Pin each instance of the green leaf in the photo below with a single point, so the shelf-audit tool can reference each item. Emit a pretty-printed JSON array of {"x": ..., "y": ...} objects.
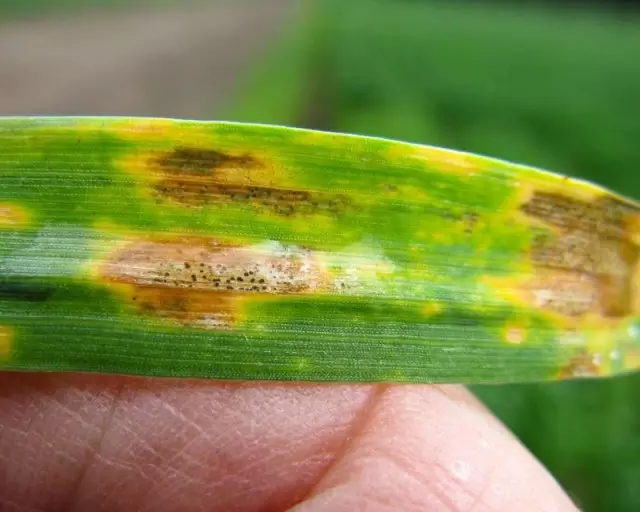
[{"x": 242, "y": 251}]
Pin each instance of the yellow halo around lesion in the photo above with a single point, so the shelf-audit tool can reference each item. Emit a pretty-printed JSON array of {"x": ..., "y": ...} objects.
[
  {"x": 6, "y": 341},
  {"x": 14, "y": 216}
]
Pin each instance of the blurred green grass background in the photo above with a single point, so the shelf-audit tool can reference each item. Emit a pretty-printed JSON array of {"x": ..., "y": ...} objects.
[{"x": 553, "y": 88}]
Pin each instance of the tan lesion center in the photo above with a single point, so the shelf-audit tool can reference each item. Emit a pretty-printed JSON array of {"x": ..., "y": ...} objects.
[
  {"x": 587, "y": 259},
  {"x": 202, "y": 281}
]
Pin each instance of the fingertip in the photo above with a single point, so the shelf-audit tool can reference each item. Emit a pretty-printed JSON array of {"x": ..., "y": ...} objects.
[{"x": 436, "y": 448}]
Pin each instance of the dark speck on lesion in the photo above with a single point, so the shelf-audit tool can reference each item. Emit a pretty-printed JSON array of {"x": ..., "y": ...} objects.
[{"x": 204, "y": 178}]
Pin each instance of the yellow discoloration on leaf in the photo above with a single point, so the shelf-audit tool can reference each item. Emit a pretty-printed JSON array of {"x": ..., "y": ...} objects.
[
  {"x": 537, "y": 180},
  {"x": 409, "y": 193},
  {"x": 567, "y": 299},
  {"x": 6, "y": 341},
  {"x": 512, "y": 289},
  {"x": 441, "y": 159},
  {"x": 633, "y": 228},
  {"x": 168, "y": 155},
  {"x": 515, "y": 334},
  {"x": 301, "y": 363},
  {"x": 635, "y": 289},
  {"x": 13, "y": 216},
  {"x": 160, "y": 131},
  {"x": 632, "y": 359},
  {"x": 201, "y": 153},
  {"x": 443, "y": 237},
  {"x": 432, "y": 308}
]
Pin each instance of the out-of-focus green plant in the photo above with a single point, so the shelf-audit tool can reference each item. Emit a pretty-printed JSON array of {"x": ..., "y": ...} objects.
[{"x": 553, "y": 88}]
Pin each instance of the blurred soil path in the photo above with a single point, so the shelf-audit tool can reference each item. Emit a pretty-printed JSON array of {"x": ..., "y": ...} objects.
[{"x": 180, "y": 61}]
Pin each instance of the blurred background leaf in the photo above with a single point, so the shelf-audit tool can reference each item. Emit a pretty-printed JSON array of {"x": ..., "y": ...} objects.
[{"x": 554, "y": 84}]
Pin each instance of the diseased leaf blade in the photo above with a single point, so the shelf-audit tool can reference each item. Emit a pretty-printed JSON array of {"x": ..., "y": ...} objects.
[{"x": 238, "y": 251}]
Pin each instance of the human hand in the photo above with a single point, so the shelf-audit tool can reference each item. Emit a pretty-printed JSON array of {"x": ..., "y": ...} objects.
[{"x": 93, "y": 443}]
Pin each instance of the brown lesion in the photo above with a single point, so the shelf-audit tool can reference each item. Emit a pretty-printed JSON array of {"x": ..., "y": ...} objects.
[
  {"x": 192, "y": 307},
  {"x": 203, "y": 281},
  {"x": 470, "y": 221},
  {"x": 200, "y": 177},
  {"x": 200, "y": 161},
  {"x": 586, "y": 260},
  {"x": 606, "y": 216},
  {"x": 582, "y": 364}
]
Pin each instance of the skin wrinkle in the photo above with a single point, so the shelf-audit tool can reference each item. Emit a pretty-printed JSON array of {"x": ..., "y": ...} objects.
[
  {"x": 402, "y": 465},
  {"x": 337, "y": 499},
  {"x": 271, "y": 457},
  {"x": 388, "y": 456},
  {"x": 260, "y": 447},
  {"x": 35, "y": 426},
  {"x": 31, "y": 421},
  {"x": 95, "y": 449},
  {"x": 125, "y": 397},
  {"x": 211, "y": 486},
  {"x": 138, "y": 470},
  {"x": 359, "y": 423},
  {"x": 391, "y": 465},
  {"x": 165, "y": 494},
  {"x": 8, "y": 505},
  {"x": 124, "y": 465},
  {"x": 185, "y": 481},
  {"x": 47, "y": 443},
  {"x": 478, "y": 504},
  {"x": 328, "y": 459},
  {"x": 189, "y": 422},
  {"x": 448, "y": 482},
  {"x": 402, "y": 432},
  {"x": 446, "y": 489}
]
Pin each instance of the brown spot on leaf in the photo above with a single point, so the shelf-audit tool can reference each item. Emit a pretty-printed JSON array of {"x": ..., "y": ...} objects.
[
  {"x": 199, "y": 177},
  {"x": 186, "y": 306},
  {"x": 470, "y": 220},
  {"x": 202, "y": 281},
  {"x": 581, "y": 364},
  {"x": 586, "y": 262},
  {"x": 606, "y": 216},
  {"x": 198, "y": 161}
]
